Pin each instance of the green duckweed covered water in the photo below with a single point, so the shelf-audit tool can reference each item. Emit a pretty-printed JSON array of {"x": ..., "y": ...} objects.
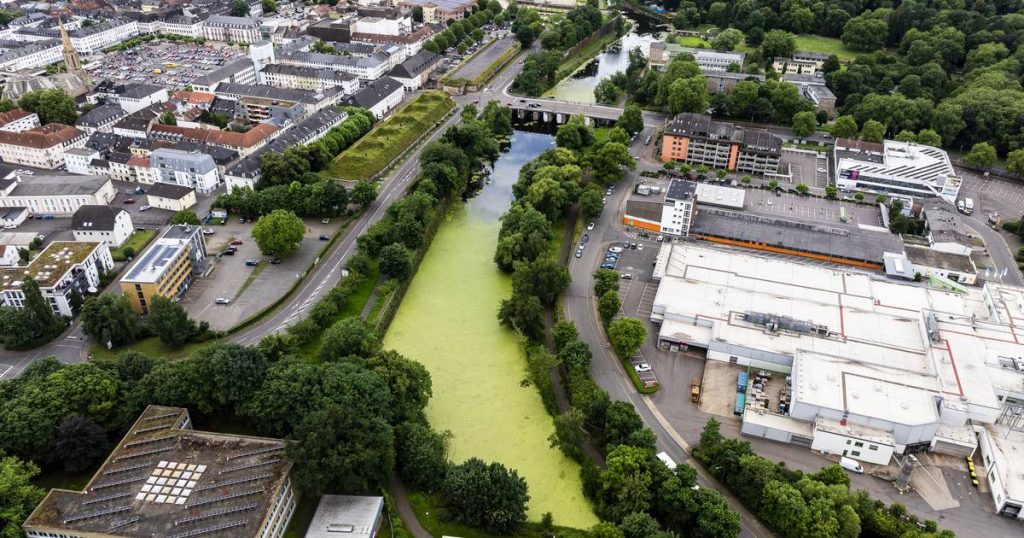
[{"x": 448, "y": 322}]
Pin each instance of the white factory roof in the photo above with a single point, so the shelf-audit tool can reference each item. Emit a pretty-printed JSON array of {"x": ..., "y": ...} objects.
[
  {"x": 904, "y": 159},
  {"x": 718, "y": 195},
  {"x": 864, "y": 342},
  {"x": 1007, "y": 450}
]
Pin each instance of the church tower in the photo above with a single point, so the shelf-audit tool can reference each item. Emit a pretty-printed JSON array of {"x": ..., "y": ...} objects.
[{"x": 71, "y": 60}]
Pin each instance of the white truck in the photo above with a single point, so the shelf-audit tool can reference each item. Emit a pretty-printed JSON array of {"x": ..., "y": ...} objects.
[{"x": 968, "y": 206}]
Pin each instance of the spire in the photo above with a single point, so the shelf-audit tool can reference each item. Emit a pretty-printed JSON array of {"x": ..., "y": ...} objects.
[{"x": 71, "y": 60}]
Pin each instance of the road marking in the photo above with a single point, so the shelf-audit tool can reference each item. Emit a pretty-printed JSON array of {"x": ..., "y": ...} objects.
[{"x": 6, "y": 368}]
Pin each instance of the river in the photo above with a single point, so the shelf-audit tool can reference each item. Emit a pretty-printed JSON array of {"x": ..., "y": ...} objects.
[
  {"x": 579, "y": 87},
  {"x": 448, "y": 322}
]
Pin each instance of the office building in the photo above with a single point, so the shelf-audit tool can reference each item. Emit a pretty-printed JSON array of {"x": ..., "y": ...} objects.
[
  {"x": 165, "y": 479},
  {"x": 709, "y": 60},
  {"x": 61, "y": 269},
  {"x": 31, "y": 55},
  {"x": 40, "y": 147},
  {"x": 237, "y": 72},
  {"x": 903, "y": 168},
  {"x": 365, "y": 67},
  {"x": 864, "y": 367},
  {"x": 802, "y": 63},
  {"x": 101, "y": 118},
  {"x": 441, "y": 11},
  {"x": 111, "y": 226},
  {"x": 167, "y": 268},
  {"x": 226, "y": 28},
  {"x": 356, "y": 516},
  {"x": 308, "y": 78},
  {"x": 282, "y": 105},
  {"x": 55, "y": 195},
  {"x": 136, "y": 96},
  {"x": 186, "y": 168},
  {"x": 93, "y": 39},
  {"x": 697, "y": 139}
]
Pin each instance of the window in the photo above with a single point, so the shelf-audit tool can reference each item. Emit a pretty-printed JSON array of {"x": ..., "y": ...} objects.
[
  {"x": 858, "y": 444},
  {"x": 854, "y": 453},
  {"x": 872, "y": 447}
]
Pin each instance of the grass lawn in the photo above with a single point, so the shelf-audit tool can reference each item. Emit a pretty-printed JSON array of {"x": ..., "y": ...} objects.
[
  {"x": 429, "y": 509},
  {"x": 830, "y": 45},
  {"x": 692, "y": 41},
  {"x": 136, "y": 241},
  {"x": 373, "y": 152},
  {"x": 151, "y": 347}
]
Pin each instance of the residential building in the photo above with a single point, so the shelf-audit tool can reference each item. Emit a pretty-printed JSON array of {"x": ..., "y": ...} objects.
[
  {"x": 365, "y": 67},
  {"x": 183, "y": 25},
  {"x": 184, "y": 482},
  {"x": 238, "y": 29},
  {"x": 135, "y": 96},
  {"x": 236, "y": 72},
  {"x": 905, "y": 168},
  {"x": 31, "y": 55},
  {"x": 725, "y": 82},
  {"x": 93, "y": 39},
  {"x": 12, "y": 217},
  {"x": 141, "y": 170},
  {"x": 802, "y": 63},
  {"x": 171, "y": 197},
  {"x": 111, "y": 226},
  {"x": 246, "y": 173},
  {"x": 708, "y": 60},
  {"x": 813, "y": 88},
  {"x": 863, "y": 367},
  {"x": 244, "y": 143},
  {"x": 308, "y": 78},
  {"x": 101, "y": 118},
  {"x": 359, "y": 516},
  {"x": 9, "y": 256},
  {"x": 55, "y": 195},
  {"x": 697, "y": 139},
  {"x": 441, "y": 11},
  {"x": 186, "y": 168},
  {"x": 281, "y": 105},
  {"x": 80, "y": 160},
  {"x": 18, "y": 120},
  {"x": 379, "y": 97},
  {"x": 41, "y": 147},
  {"x": 414, "y": 72},
  {"x": 167, "y": 268},
  {"x": 62, "y": 268}
]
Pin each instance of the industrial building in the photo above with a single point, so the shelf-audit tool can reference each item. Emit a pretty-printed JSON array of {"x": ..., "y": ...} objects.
[
  {"x": 696, "y": 139},
  {"x": 167, "y": 268},
  {"x": 863, "y": 367},
  {"x": 905, "y": 168},
  {"x": 166, "y": 479},
  {"x": 355, "y": 516}
]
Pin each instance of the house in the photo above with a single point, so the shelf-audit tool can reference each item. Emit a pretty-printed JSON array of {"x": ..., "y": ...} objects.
[
  {"x": 102, "y": 118},
  {"x": 379, "y": 97},
  {"x": 61, "y": 270},
  {"x": 135, "y": 97},
  {"x": 55, "y": 195},
  {"x": 170, "y": 196},
  {"x": 111, "y": 226},
  {"x": 41, "y": 147},
  {"x": 18, "y": 120},
  {"x": 12, "y": 217},
  {"x": 414, "y": 72}
]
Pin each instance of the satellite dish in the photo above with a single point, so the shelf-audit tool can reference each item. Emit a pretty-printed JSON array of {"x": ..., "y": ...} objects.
[{"x": 92, "y": 289}]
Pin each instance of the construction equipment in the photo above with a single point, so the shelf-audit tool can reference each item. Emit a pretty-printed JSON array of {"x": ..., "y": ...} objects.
[{"x": 695, "y": 390}]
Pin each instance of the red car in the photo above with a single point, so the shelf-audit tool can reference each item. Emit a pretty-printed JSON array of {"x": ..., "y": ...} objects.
[
  {"x": 129, "y": 200},
  {"x": 236, "y": 242}
]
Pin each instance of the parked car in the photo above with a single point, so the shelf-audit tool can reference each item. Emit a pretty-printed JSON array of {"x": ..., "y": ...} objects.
[
  {"x": 274, "y": 261},
  {"x": 228, "y": 252},
  {"x": 144, "y": 208},
  {"x": 579, "y": 253},
  {"x": 252, "y": 263},
  {"x": 648, "y": 141},
  {"x": 642, "y": 367},
  {"x": 627, "y": 276},
  {"x": 661, "y": 238},
  {"x": 632, "y": 246},
  {"x": 325, "y": 221},
  {"x": 640, "y": 247},
  {"x": 822, "y": 170},
  {"x": 590, "y": 226},
  {"x": 586, "y": 237},
  {"x": 222, "y": 300},
  {"x": 209, "y": 231},
  {"x": 607, "y": 266},
  {"x": 611, "y": 258},
  {"x": 325, "y": 238},
  {"x": 615, "y": 250},
  {"x": 129, "y": 200},
  {"x": 236, "y": 241}
]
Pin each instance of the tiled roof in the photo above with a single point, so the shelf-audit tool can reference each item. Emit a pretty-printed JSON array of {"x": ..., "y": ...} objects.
[
  {"x": 247, "y": 139},
  {"x": 46, "y": 136}
]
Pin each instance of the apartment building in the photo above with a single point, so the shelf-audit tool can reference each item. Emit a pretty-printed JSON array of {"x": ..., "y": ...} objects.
[
  {"x": 167, "y": 268},
  {"x": 696, "y": 139},
  {"x": 61, "y": 269},
  {"x": 189, "y": 483},
  {"x": 186, "y": 168},
  {"x": 18, "y": 120},
  {"x": 243, "y": 143},
  {"x": 101, "y": 118},
  {"x": 365, "y": 67},
  {"x": 308, "y": 78},
  {"x": 281, "y": 105},
  {"x": 41, "y": 147},
  {"x": 379, "y": 97},
  {"x": 226, "y": 28},
  {"x": 32, "y": 55},
  {"x": 111, "y": 226},
  {"x": 237, "y": 72},
  {"x": 170, "y": 196},
  {"x": 136, "y": 96},
  {"x": 55, "y": 195}
]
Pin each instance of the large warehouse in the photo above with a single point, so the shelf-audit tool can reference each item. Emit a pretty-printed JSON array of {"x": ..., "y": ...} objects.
[{"x": 866, "y": 367}]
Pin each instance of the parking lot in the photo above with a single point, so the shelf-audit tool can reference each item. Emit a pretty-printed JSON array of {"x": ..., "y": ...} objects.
[
  {"x": 810, "y": 208},
  {"x": 804, "y": 166},
  {"x": 173, "y": 65},
  {"x": 484, "y": 58},
  {"x": 993, "y": 194}
]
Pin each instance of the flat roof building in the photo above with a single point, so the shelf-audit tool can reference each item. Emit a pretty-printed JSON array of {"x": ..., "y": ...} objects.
[
  {"x": 166, "y": 479},
  {"x": 698, "y": 139},
  {"x": 709, "y": 60},
  {"x": 167, "y": 268},
  {"x": 60, "y": 269},
  {"x": 896, "y": 167},
  {"x": 353, "y": 516}
]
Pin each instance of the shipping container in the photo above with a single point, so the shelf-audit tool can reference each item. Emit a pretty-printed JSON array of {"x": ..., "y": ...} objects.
[
  {"x": 741, "y": 382},
  {"x": 741, "y": 400}
]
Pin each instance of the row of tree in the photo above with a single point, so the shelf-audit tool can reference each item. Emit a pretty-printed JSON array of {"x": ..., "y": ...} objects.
[
  {"x": 110, "y": 319},
  {"x": 300, "y": 163},
  {"x": 464, "y": 33}
]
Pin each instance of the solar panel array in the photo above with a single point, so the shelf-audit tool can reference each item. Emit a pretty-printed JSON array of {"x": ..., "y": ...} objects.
[
  {"x": 207, "y": 530},
  {"x": 216, "y": 513}
]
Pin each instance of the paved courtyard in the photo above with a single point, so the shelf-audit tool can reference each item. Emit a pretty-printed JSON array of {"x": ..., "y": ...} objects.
[
  {"x": 804, "y": 167},
  {"x": 810, "y": 208}
]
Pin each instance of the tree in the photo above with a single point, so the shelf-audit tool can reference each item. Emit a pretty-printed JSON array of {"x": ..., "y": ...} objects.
[
  {"x": 872, "y": 131},
  {"x": 608, "y": 305},
  {"x": 605, "y": 280},
  {"x": 36, "y": 318},
  {"x": 167, "y": 118},
  {"x": 621, "y": 423},
  {"x": 278, "y": 232},
  {"x": 844, "y": 127},
  {"x": 396, "y": 261},
  {"x": 269, "y": 6},
  {"x": 804, "y": 124},
  {"x": 831, "y": 192},
  {"x": 631, "y": 120},
  {"x": 169, "y": 322},
  {"x": 591, "y": 203},
  {"x": 346, "y": 338},
  {"x": 186, "y": 216},
  {"x": 727, "y": 39},
  {"x": 929, "y": 137},
  {"x": 240, "y": 8},
  {"x": 982, "y": 155},
  {"x": 688, "y": 95},
  {"x": 525, "y": 314},
  {"x": 544, "y": 278},
  {"x": 408, "y": 381},
  {"x": 18, "y": 495},
  {"x": 487, "y": 496},
  {"x": 626, "y": 335},
  {"x": 626, "y": 483},
  {"x": 421, "y": 455},
  {"x": 867, "y": 31},
  {"x": 52, "y": 106},
  {"x": 364, "y": 193},
  {"x": 339, "y": 448},
  {"x": 1015, "y": 161},
  {"x": 784, "y": 508},
  {"x": 606, "y": 92},
  {"x": 570, "y": 433},
  {"x": 417, "y": 14},
  {"x": 802, "y": 188},
  {"x": 609, "y": 161},
  {"x": 778, "y": 44},
  {"x": 109, "y": 318},
  {"x": 79, "y": 442}
]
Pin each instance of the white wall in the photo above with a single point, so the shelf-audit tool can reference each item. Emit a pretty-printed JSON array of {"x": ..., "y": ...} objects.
[{"x": 833, "y": 443}]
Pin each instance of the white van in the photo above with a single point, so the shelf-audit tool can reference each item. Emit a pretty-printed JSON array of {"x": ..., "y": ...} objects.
[
  {"x": 851, "y": 465},
  {"x": 968, "y": 206},
  {"x": 667, "y": 460}
]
